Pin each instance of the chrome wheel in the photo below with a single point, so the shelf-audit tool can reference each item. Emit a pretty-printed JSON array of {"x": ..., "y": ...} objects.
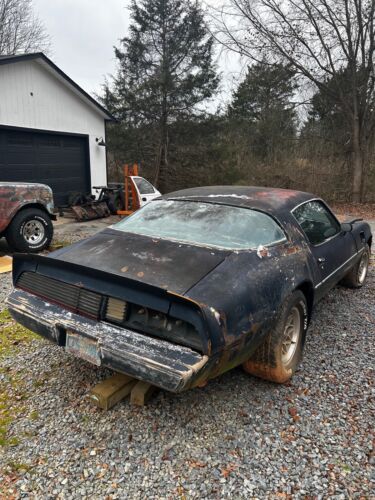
[
  {"x": 363, "y": 267},
  {"x": 292, "y": 332},
  {"x": 33, "y": 232}
]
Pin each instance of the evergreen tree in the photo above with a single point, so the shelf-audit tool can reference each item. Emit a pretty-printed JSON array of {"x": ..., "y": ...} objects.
[
  {"x": 327, "y": 118},
  {"x": 165, "y": 70},
  {"x": 262, "y": 102}
]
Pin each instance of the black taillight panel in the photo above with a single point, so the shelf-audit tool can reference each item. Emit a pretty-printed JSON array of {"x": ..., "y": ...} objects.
[
  {"x": 161, "y": 325},
  {"x": 72, "y": 297},
  {"x": 116, "y": 310},
  {"x": 183, "y": 330}
]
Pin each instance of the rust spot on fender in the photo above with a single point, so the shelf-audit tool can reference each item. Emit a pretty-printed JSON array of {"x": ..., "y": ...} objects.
[{"x": 291, "y": 250}]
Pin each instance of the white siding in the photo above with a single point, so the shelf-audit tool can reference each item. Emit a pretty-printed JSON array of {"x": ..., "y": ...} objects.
[{"x": 33, "y": 97}]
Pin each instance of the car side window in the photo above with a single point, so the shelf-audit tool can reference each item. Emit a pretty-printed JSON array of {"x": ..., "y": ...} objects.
[
  {"x": 316, "y": 221},
  {"x": 144, "y": 186}
]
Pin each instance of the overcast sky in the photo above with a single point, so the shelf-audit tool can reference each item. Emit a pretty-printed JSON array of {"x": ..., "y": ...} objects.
[{"x": 83, "y": 33}]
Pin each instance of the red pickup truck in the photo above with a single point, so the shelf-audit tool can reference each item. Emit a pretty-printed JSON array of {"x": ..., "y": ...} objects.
[{"x": 26, "y": 214}]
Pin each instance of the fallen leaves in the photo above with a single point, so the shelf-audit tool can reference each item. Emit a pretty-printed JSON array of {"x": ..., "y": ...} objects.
[
  {"x": 294, "y": 414},
  {"x": 292, "y": 411},
  {"x": 196, "y": 464},
  {"x": 345, "y": 210},
  {"x": 228, "y": 470}
]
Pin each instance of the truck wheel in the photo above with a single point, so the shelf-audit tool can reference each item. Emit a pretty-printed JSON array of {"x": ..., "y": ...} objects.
[
  {"x": 278, "y": 357},
  {"x": 356, "y": 277},
  {"x": 31, "y": 230}
]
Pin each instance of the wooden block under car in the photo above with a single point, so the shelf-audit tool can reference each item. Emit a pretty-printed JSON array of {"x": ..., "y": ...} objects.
[
  {"x": 6, "y": 263},
  {"x": 141, "y": 393},
  {"x": 109, "y": 392}
]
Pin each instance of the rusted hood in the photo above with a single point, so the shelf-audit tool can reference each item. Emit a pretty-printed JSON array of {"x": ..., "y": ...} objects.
[{"x": 169, "y": 265}]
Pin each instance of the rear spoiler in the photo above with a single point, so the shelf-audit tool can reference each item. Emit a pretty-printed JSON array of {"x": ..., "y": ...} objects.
[{"x": 92, "y": 279}]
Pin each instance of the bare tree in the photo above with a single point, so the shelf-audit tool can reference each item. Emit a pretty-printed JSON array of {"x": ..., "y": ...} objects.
[
  {"x": 20, "y": 30},
  {"x": 321, "y": 40}
]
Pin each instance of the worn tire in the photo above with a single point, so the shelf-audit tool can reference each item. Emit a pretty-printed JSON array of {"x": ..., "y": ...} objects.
[
  {"x": 354, "y": 278},
  {"x": 24, "y": 222},
  {"x": 270, "y": 361}
]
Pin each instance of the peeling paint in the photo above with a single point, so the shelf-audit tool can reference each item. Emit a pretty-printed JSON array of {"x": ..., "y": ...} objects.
[
  {"x": 230, "y": 298},
  {"x": 262, "y": 252},
  {"x": 162, "y": 363},
  {"x": 148, "y": 256},
  {"x": 232, "y": 195}
]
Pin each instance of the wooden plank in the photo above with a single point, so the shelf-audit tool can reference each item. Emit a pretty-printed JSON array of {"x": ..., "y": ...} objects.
[
  {"x": 141, "y": 393},
  {"x": 109, "y": 392},
  {"x": 6, "y": 263},
  {"x": 124, "y": 212}
]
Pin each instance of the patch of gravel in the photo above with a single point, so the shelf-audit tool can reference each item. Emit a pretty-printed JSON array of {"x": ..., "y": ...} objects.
[
  {"x": 238, "y": 437},
  {"x": 5, "y": 288},
  {"x": 72, "y": 231}
]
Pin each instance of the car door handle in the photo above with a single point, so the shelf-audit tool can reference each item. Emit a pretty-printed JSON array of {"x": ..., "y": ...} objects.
[{"x": 321, "y": 260}]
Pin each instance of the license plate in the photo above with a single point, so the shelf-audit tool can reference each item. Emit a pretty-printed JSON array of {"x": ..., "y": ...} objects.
[{"x": 82, "y": 347}]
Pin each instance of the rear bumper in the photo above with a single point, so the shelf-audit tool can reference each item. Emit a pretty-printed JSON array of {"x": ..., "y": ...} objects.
[{"x": 161, "y": 363}]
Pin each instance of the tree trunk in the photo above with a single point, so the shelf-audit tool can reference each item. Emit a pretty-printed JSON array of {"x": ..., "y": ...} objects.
[
  {"x": 161, "y": 169},
  {"x": 162, "y": 165},
  {"x": 158, "y": 165},
  {"x": 357, "y": 163}
]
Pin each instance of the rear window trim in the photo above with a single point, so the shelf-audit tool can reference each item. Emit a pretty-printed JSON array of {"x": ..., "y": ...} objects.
[{"x": 217, "y": 247}]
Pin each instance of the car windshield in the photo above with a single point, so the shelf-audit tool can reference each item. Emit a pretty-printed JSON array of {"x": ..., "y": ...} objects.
[{"x": 204, "y": 224}]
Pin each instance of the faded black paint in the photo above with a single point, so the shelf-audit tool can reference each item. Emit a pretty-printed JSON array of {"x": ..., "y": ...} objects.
[{"x": 233, "y": 297}]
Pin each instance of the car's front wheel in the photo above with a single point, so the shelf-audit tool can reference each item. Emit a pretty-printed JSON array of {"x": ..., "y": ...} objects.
[
  {"x": 31, "y": 230},
  {"x": 278, "y": 357}
]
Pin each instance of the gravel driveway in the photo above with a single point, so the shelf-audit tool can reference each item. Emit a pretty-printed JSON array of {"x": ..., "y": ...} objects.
[{"x": 238, "y": 437}]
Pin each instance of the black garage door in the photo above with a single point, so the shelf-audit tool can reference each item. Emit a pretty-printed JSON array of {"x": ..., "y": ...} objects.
[{"x": 60, "y": 161}]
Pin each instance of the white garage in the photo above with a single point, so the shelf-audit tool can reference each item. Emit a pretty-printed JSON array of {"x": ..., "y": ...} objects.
[{"x": 51, "y": 130}]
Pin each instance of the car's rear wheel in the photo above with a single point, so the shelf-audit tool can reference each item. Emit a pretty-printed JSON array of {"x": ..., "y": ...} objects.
[
  {"x": 358, "y": 274},
  {"x": 278, "y": 357},
  {"x": 31, "y": 230}
]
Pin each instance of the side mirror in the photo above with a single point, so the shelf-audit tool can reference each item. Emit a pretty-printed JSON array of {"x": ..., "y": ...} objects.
[
  {"x": 346, "y": 227},
  {"x": 354, "y": 220}
]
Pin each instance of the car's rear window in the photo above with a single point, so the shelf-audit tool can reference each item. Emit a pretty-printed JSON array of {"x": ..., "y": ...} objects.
[{"x": 204, "y": 224}]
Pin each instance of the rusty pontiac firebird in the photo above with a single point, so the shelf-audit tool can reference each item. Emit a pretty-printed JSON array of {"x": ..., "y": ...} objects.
[{"x": 193, "y": 284}]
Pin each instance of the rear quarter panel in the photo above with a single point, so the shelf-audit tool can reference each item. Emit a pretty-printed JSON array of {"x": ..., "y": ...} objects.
[
  {"x": 361, "y": 233},
  {"x": 243, "y": 295},
  {"x": 241, "y": 299}
]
